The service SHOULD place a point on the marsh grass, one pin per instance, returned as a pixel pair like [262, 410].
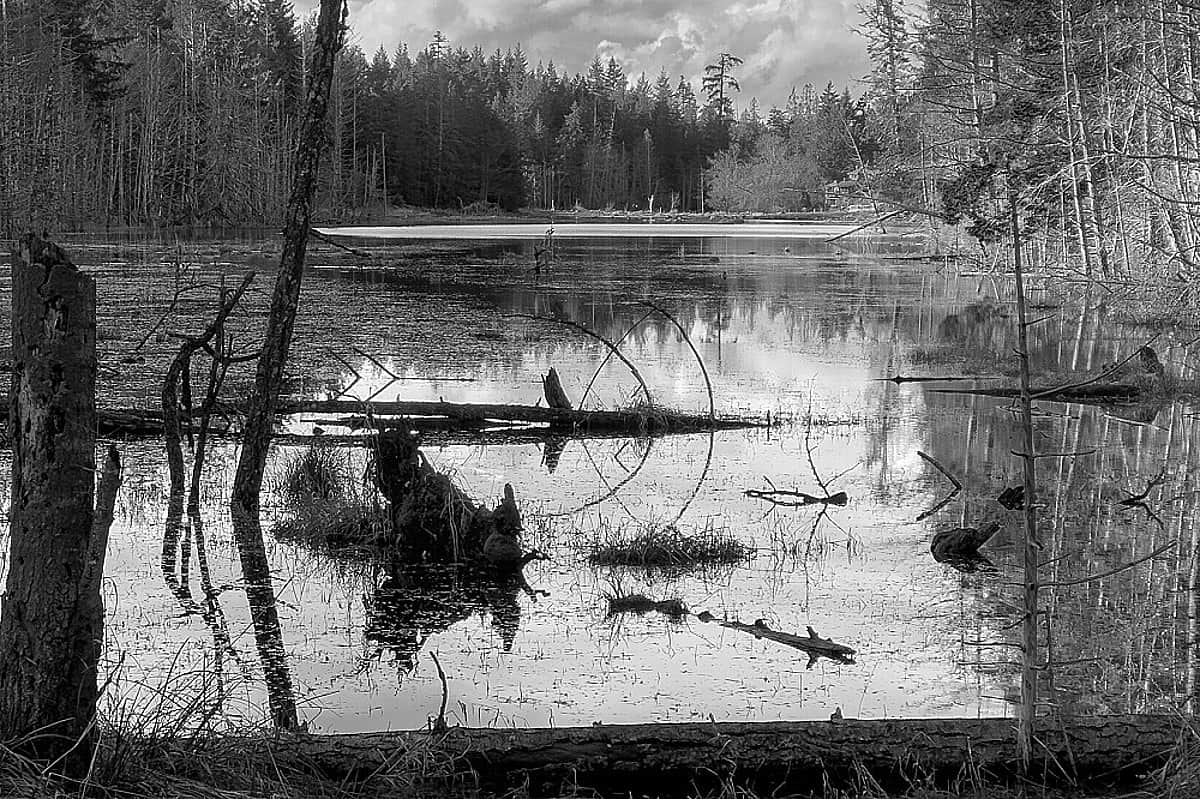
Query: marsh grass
[324, 506]
[188, 739]
[664, 547]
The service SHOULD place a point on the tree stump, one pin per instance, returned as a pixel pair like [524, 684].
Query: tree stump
[51, 615]
[432, 518]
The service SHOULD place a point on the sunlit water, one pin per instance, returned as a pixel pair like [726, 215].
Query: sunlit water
[786, 326]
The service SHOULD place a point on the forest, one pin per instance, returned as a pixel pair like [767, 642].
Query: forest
[179, 113]
[152, 112]
[1083, 114]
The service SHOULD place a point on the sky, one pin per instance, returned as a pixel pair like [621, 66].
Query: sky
[784, 43]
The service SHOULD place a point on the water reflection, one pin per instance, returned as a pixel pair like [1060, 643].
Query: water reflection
[781, 332]
[414, 601]
[177, 543]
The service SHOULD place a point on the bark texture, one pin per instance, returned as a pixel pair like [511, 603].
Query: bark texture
[51, 616]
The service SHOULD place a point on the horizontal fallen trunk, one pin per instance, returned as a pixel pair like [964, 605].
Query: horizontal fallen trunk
[672, 758]
[812, 645]
[640, 420]
[471, 418]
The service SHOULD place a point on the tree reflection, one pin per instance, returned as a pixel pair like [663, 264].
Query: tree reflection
[414, 601]
[268, 637]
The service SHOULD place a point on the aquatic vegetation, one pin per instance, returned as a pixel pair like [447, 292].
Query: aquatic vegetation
[323, 507]
[674, 609]
[649, 545]
[317, 473]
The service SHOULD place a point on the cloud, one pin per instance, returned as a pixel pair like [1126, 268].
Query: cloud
[784, 43]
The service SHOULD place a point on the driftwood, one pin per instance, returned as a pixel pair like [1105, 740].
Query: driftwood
[671, 759]
[796, 499]
[813, 645]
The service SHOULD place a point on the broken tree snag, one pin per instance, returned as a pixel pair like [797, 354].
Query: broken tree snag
[51, 616]
[552, 387]
[431, 518]
[260, 415]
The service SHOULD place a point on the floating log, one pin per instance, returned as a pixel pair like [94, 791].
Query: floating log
[671, 759]
[813, 645]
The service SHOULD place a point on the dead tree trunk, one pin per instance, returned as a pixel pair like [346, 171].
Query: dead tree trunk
[788, 757]
[260, 416]
[51, 616]
[256, 438]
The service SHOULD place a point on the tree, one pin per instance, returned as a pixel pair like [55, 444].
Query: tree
[260, 415]
[51, 614]
[718, 80]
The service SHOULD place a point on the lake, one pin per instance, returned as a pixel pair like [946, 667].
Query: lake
[787, 326]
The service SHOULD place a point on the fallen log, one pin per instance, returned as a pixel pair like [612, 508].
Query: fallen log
[813, 645]
[446, 416]
[647, 420]
[1100, 392]
[672, 759]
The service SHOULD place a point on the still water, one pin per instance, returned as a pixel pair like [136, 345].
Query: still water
[786, 326]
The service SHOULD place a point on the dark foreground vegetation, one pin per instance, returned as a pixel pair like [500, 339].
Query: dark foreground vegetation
[919, 759]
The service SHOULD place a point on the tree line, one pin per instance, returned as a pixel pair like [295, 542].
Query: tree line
[1081, 112]
[154, 112]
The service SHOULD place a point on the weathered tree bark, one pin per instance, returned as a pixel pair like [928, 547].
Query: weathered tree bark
[51, 615]
[669, 759]
[260, 417]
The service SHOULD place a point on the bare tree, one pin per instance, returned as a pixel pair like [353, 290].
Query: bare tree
[260, 416]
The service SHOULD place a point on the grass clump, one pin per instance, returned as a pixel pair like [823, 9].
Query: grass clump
[666, 547]
[317, 473]
[324, 507]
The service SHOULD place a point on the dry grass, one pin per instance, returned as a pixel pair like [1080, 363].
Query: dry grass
[648, 545]
[243, 767]
[324, 507]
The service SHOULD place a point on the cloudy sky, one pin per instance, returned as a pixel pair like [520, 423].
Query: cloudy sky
[785, 43]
